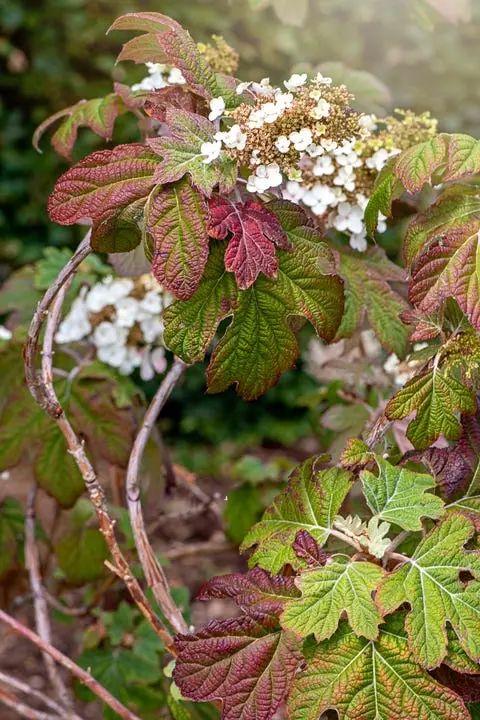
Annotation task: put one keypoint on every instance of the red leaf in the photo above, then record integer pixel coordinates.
(246, 664)
(150, 22)
(257, 592)
(174, 96)
(306, 548)
(177, 221)
(101, 183)
(255, 231)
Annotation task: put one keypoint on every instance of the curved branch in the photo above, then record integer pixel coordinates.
(41, 387)
(82, 675)
(154, 573)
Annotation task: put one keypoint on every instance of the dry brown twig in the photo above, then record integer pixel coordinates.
(42, 620)
(22, 687)
(82, 675)
(12, 702)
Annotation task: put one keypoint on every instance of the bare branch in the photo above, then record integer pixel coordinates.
(12, 702)
(84, 677)
(42, 620)
(201, 548)
(31, 692)
(377, 431)
(41, 387)
(154, 573)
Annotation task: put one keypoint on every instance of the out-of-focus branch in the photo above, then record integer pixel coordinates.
(22, 687)
(42, 620)
(82, 675)
(153, 571)
(41, 387)
(12, 702)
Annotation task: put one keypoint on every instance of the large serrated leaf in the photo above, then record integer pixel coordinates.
(365, 680)
(247, 664)
(327, 592)
(181, 153)
(102, 184)
(177, 221)
(259, 344)
(429, 582)
(310, 501)
(368, 292)
(437, 397)
(398, 495)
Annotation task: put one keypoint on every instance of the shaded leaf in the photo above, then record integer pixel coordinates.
(327, 592)
(55, 469)
(242, 510)
(18, 296)
(181, 153)
(12, 520)
(365, 680)
(121, 232)
(436, 397)
(310, 501)
(430, 584)
(81, 554)
(367, 292)
(177, 221)
(399, 496)
(248, 665)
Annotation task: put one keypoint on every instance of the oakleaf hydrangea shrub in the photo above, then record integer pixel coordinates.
(259, 208)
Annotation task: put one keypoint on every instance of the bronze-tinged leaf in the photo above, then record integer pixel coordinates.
(256, 592)
(149, 22)
(174, 96)
(246, 664)
(306, 548)
(255, 232)
(101, 184)
(177, 220)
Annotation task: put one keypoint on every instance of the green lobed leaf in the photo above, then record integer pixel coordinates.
(177, 220)
(387, 189)
(429, 582)
(181, 153)
(55, 469)
(436, 397)
(81, 554)
(399, 495)
(341, 586)
(367, 291)
(366, 680)
(311, 501)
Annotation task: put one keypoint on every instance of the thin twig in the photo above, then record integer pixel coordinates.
(65, 609)
(394, 545)
(84, 677)
(41, 387)
(377, 431)
(12, 702)
(201, 548)
(154, 573)
(42, 620)
(32, 692)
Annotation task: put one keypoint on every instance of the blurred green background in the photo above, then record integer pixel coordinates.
(55, 52)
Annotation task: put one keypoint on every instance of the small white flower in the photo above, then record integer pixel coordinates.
(315, 94)
(254, 159)
(266, 176)
(349, 218)
(283, 100)
(295, 81)
(294, 191)
(5, 475)
(151, 303)
(367, 122)
(328, 144)
(175, 77)
(320, 79)
(152, 329)
(106, 333)
(127, 310)
(302, 139)
(323, 166)
(5, 333)
(295, 174)
(270, 112)
(358, 242)
(256, 119)
(241, 87)
(153, 361)
(217, 108)
(345, 178)
(76, 324)
(315, 150)
(233, 138)
(282, 143)
(379, 159)
(322, 110)
(131, 360)
(113, 355)
(211, 150)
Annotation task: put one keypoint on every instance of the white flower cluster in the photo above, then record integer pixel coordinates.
(337, 197)
(110, 313)
(403, 371)
(5, 333)
(159, 76)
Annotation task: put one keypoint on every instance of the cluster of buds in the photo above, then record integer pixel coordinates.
(121, 319)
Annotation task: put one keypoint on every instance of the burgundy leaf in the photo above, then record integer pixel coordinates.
(255, 230)
(465, 685)
(177, 221)
(174, 96)
(424, 327)
(306, 548)
(257, 592)
(246, 664)
(101, 183)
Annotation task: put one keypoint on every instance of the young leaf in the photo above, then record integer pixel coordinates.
(430, 584)
(181, 153)
(367, 291)
(398, 495)
(177, 220)
(102, 184)
(366, 680)
(306, 548)
(436, 396)
(310, 501)
(257, 592)
(255, 233)
(387, 189)
(327, 592)
(247, 664)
